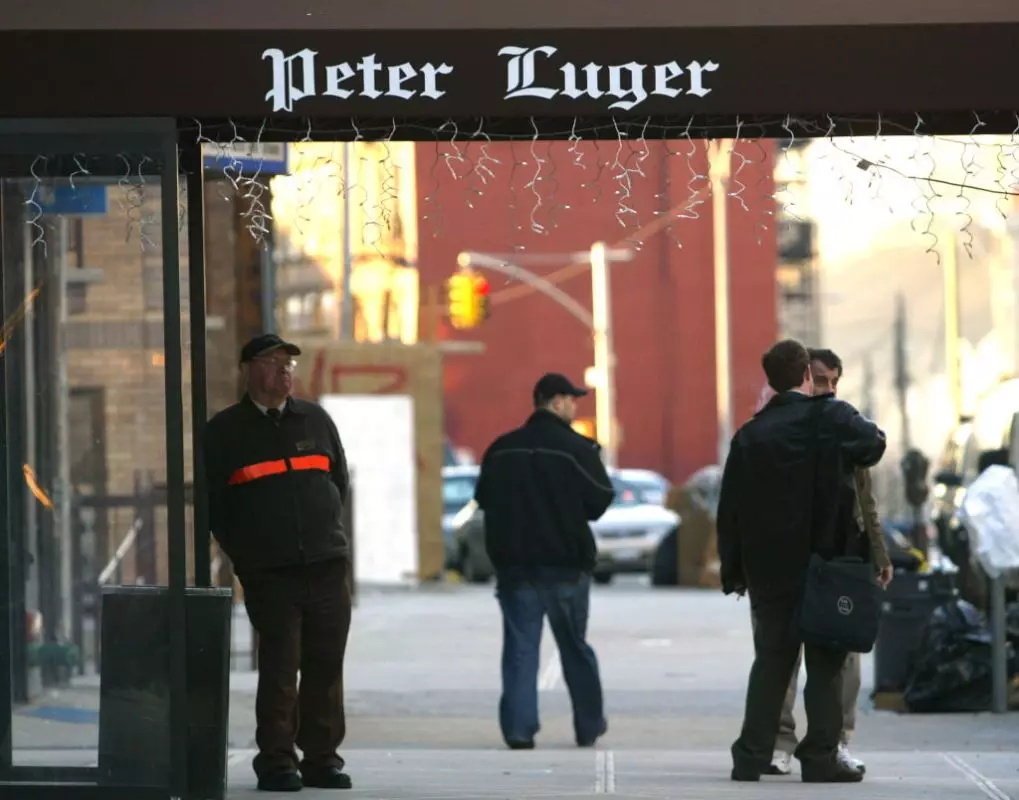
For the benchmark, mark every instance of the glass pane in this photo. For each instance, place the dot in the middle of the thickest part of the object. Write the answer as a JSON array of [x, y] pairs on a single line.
[[84, 365]]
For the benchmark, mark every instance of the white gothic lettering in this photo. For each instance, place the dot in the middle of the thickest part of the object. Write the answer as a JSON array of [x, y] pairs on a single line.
[[295, 77], [629, 84]]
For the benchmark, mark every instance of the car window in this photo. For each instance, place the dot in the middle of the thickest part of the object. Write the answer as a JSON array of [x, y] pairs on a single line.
[[457, 492], [627, 494]]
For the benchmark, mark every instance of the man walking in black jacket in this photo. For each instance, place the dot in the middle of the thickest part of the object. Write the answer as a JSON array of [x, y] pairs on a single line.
[[278, 479], [786, 477], [540, 486]]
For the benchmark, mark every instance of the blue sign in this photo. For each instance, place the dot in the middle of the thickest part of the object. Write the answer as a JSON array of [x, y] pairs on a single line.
[[246, 159], [77, 200]]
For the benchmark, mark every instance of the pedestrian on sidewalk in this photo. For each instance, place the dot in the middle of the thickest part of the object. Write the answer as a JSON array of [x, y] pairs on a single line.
[[278, 479], [539, 487], [783, 486], [826, 370]]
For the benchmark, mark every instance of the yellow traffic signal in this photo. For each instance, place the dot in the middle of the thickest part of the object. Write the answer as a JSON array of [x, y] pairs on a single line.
[[468, 299]]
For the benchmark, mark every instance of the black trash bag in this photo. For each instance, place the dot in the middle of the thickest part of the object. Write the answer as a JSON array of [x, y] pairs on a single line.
[[952, 670]]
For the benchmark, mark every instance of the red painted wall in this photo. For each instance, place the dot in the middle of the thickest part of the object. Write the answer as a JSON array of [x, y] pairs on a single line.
[[662, 301]]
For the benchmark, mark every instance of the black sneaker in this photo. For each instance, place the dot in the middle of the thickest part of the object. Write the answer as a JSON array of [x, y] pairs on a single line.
[[527, 744], [590, 742], [327, 778], [831, 772], [745, 774], [281, 781]]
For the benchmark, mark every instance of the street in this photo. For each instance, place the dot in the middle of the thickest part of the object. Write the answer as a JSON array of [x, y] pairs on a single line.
[[422, 689]]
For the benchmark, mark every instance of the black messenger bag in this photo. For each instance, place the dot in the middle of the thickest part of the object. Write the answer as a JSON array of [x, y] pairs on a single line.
[[840, 606]]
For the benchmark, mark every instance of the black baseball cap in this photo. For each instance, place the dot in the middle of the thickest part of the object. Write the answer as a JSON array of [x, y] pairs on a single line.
[[266, 343], [552, 384]]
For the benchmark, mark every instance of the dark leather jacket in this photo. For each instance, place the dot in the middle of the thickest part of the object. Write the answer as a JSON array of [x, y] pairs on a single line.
[[787, 478]]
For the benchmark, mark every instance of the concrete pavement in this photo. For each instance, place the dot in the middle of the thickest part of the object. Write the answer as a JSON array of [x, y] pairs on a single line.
[[422, 686]]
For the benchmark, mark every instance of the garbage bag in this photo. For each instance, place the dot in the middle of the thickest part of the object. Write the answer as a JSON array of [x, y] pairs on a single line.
[[990, 512], [952, 670], [901, 553]]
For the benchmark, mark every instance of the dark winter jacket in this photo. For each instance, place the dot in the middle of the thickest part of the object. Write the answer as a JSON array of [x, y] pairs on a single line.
[[276, 487], [788, 490], [540, 485]]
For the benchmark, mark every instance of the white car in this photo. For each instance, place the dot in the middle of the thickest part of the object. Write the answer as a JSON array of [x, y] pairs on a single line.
[[627, 534]]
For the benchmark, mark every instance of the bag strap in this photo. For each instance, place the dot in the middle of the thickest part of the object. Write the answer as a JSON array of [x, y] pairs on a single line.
[[815, 463]]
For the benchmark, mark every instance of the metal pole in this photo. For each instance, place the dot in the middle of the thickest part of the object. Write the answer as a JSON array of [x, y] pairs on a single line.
[[720, 163], [497, 264], [195, 185], [267, 266], [346, 299], [173, 373], [6, 586], [62, 487], [999, 645], [604, 355], [953, 361]]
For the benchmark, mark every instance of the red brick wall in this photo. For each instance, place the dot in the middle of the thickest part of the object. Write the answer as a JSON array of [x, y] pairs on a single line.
[[663, 306]]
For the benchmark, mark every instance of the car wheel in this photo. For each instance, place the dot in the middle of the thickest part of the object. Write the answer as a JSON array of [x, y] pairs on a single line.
[[603, 577], [665, 563], [469, 570]]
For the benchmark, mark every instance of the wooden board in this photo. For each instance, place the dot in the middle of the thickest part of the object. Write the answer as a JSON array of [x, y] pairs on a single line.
[[330, 367]]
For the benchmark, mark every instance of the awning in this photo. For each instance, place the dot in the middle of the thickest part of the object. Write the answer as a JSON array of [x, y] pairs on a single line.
[[467, 59]]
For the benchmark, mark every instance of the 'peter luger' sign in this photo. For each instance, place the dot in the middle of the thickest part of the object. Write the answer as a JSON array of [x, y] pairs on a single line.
[[623, 86]]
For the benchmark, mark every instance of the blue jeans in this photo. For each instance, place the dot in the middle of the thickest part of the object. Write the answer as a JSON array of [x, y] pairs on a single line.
[[525, 603]]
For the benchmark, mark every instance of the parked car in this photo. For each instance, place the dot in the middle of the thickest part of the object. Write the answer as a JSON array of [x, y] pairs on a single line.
[[458, 484], [627, 535]]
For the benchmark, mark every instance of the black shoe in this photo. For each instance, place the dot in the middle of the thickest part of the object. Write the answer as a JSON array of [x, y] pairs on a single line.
[[746, 774], [590, 742], [832, 772], [524, 745], [281, 781], [327, 778]]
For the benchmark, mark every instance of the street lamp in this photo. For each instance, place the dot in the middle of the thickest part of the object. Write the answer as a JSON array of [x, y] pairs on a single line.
[[598, 321]]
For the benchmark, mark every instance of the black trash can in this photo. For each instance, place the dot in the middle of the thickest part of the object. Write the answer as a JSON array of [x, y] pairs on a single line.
[[134, 705], [905, 610]]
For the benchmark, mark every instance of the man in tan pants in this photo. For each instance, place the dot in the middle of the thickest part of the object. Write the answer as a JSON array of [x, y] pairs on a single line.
[[826, 368]]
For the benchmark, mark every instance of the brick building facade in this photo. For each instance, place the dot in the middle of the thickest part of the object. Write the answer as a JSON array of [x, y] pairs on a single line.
[[662, 300], [114, 341]]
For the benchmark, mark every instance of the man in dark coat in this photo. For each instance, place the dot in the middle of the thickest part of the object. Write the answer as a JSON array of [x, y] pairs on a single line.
[[278, 479], [786, 478], [540, 486]]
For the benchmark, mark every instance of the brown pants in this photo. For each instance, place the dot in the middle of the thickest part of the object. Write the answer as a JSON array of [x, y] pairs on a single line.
[[302, 618]]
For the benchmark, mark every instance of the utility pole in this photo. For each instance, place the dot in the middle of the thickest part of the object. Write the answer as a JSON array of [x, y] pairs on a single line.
[[953, 355], [604, 355], [720, 165], [346, 304], [867, 406], [901, 368]]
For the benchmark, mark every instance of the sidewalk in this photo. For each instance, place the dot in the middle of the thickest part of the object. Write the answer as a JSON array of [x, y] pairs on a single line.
[[422, 687], [669, 775]]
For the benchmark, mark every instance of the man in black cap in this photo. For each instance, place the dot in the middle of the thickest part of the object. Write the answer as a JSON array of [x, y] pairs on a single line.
[[540, 486], [278, 479]]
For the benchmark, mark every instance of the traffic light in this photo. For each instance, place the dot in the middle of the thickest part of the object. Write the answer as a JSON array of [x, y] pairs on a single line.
[[468, 299], [481, 298]]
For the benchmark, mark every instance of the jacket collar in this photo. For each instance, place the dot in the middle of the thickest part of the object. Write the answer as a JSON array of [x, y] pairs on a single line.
[[290, 408], [785, 398], [544, 416]]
